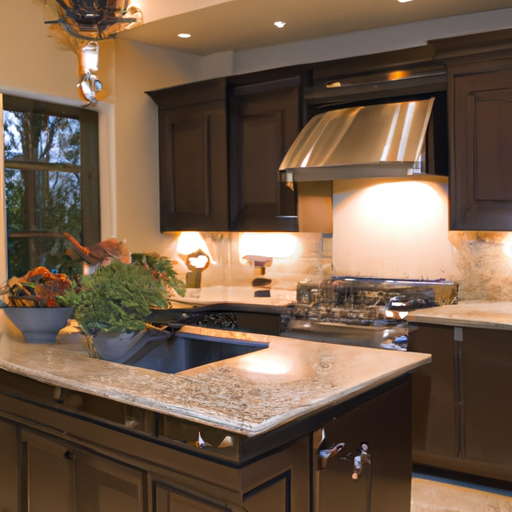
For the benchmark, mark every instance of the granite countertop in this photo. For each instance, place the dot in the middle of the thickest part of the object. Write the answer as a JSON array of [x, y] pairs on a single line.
[[248, 394], [482, 314]]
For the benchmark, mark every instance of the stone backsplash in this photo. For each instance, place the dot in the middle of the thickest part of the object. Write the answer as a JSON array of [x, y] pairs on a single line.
[[484, 261]]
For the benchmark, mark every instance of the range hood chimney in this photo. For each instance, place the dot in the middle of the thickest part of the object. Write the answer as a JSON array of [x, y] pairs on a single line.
[[376, 141]]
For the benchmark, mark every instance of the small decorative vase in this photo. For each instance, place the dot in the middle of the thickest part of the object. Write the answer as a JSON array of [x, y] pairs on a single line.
[[39, 325]]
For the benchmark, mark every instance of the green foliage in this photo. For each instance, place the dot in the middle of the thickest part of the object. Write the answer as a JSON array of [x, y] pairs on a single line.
[[162, 270], [41, 200], [116, 298]]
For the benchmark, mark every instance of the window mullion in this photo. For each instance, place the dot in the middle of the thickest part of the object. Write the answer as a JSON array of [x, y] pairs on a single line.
[[41, 166]]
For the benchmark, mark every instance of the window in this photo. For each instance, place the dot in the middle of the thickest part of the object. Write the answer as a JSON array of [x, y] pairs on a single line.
[[51, 182]]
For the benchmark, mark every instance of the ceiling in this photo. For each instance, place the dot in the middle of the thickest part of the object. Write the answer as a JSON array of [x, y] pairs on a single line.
[[223, 25]]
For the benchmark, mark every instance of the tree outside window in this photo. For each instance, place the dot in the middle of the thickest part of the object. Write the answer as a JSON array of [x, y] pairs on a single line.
[[51, 182]]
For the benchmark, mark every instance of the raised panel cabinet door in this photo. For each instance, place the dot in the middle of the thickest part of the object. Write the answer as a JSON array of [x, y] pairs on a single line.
[[169, 499], [264, 126], [103, 485], [48, 475], [9, 467], [481, 174], [486, 381], [435, 435], [193, 168], [384, 484]]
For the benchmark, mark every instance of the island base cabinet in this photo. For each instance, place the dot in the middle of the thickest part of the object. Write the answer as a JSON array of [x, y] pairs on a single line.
[[384, 483], [62, 460], [70, 479], [168, 499], [9, 468]]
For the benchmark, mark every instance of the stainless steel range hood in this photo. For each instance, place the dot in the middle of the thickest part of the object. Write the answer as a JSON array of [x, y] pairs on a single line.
[[376, 141]]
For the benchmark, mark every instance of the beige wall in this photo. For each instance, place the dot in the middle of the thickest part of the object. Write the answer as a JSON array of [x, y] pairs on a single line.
[[33, 65]]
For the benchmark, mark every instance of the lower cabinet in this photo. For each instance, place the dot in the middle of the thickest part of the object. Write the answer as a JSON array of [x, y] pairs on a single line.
[[71, 479], [9, 467], [384, 481], [461, 418], [57, 459], [168, 499]]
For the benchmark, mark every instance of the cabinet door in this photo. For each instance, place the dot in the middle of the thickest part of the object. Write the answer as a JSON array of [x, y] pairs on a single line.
[[481, 174], [48, 478], [59, 477], [193, 168], [384, 423], [102, 485], [486, 379], [435, 416], [264, 124], [169, 499], [9, 467]]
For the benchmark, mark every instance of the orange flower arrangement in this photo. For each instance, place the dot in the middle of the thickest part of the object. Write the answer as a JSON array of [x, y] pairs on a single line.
[[37, 288]]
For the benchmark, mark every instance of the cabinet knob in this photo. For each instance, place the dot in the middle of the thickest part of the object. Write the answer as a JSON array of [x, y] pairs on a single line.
[[69, 455]]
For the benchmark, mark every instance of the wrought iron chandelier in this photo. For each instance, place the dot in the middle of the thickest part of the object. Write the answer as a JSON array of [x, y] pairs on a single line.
[[93, 20]]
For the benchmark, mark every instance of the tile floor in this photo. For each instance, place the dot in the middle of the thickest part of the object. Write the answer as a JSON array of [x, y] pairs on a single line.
[[437, 495]]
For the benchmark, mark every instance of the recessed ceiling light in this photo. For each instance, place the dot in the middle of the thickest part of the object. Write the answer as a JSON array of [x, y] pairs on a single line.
[[184, 36], [403, 1], [279, 24]]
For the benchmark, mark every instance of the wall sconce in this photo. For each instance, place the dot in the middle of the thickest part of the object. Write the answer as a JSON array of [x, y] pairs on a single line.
[[80, 24]]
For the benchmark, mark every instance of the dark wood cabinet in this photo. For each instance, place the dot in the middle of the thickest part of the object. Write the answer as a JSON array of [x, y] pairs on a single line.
[[461, 421], [486, 377], [210, 184], [193, 157], [480, 118], [372, 423], [434, 413], [71, 479], [264, 123], [9, 467], [55, 456]]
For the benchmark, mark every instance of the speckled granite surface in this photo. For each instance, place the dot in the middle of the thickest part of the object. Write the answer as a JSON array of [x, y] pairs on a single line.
[[482, 314], [248, 394]]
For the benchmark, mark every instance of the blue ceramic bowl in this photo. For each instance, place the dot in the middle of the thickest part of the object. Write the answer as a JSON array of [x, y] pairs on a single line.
[[39, 325]]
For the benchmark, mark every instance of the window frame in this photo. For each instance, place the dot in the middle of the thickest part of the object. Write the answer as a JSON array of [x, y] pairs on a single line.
[[88, 168]]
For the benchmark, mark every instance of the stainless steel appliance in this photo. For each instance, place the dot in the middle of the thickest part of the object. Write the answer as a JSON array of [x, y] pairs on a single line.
[[362, 311], [345, 310]]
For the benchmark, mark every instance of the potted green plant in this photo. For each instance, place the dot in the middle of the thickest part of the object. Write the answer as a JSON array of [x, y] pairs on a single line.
[[31, 304], [111, 305]]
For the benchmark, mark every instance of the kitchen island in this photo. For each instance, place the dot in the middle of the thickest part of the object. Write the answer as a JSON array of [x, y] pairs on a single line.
[[233, 435]]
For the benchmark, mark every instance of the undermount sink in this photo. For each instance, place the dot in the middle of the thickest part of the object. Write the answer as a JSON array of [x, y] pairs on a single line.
[[187, 349]]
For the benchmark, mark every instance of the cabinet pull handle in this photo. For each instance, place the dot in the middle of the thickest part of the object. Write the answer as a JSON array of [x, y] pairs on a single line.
[[69, 455]]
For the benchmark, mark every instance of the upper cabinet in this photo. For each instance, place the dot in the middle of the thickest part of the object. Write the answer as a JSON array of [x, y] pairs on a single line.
[[192, 123], [221, 143], [264, 123], [480, 125]]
